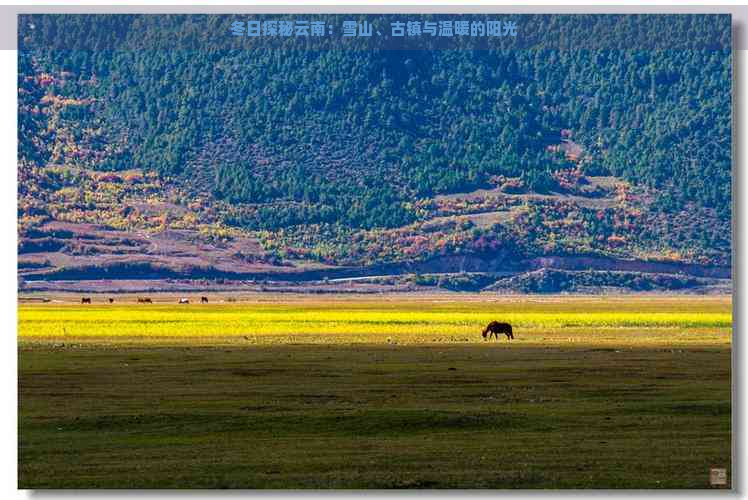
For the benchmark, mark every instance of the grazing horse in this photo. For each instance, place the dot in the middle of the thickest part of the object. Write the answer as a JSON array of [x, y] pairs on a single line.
[[495, 328], [203, 300], [184, 301], [86, 300], [111, 300], [144, 300]]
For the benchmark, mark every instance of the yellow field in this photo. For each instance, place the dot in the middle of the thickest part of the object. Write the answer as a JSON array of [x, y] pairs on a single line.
[[621, 320]]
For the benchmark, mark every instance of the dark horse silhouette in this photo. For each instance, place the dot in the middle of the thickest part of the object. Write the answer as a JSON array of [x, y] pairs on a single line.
[[86, 300], [495, 328], [203, 300]]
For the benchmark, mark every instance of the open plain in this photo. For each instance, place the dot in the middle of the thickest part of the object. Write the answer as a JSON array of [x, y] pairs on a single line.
[[387, 392]]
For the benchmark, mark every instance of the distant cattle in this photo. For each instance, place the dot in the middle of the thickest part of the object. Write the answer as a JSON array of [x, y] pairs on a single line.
[[111, 300], [203, 300], [86, 300], [184, 301], [144, 300], [495, 328]]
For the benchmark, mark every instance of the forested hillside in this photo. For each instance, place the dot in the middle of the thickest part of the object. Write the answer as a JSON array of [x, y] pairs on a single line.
[[367, 157]]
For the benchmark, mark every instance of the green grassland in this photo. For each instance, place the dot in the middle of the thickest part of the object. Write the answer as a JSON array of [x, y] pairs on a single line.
[[376, 393]]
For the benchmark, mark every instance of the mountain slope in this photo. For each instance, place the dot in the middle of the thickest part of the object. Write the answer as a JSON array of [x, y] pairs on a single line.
[[317, 159]]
